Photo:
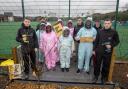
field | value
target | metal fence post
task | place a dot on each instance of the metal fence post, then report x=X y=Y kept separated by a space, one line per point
x=23 y=10
x=69 y=8
x=116 y=14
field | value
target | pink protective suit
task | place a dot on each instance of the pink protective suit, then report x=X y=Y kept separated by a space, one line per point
x=48 y=44
x=71 y=31
x=70 y=26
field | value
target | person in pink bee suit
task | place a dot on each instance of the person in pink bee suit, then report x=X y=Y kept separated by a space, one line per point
x=48 y=45
x=71 y=27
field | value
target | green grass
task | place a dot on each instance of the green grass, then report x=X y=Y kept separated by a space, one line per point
x=7 y=36
x=122 y=48
x=8 y=32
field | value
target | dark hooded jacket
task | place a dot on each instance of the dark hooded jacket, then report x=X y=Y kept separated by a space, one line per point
x=31 y=35
x=106 y=36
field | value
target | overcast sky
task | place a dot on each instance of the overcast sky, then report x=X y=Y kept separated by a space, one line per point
x=59 y=7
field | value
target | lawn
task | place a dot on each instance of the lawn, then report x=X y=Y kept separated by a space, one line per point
x=8 y=32
x=122 y=49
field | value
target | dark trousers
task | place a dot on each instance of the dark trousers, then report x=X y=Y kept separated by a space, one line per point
x=103 y=59
x=76 y=50
x=93 y=59
x=29 y=57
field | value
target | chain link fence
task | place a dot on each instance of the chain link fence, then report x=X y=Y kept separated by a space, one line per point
x=13 y=11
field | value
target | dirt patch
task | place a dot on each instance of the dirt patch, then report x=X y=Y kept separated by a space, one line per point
x=3 y=81
x=35 y=85
x=120 y=73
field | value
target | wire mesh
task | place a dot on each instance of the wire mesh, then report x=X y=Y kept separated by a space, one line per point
x=55 y=8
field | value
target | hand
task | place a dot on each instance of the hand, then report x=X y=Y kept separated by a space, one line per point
x=24 y=35
x=94 y=53
x=36 y=49
x=24 y=38
x=77 y=38
x=108 y=46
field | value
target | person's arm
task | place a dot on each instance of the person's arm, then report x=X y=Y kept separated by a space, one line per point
x=41 y=43
x=73 y=45
x=96 y=42
x=19 y=36
x=38 y=27
x=38 y=34
x=115 y=40
x=74 y=33
x=77 y=38
x=59 y=43
x=36 y=45
x=94 y=34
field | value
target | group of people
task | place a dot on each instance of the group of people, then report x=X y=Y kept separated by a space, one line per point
x=90 y=43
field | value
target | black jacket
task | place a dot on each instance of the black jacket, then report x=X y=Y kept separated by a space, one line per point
x=76 y=30
x=32 y=38
x=108 y=36
x=97 y=30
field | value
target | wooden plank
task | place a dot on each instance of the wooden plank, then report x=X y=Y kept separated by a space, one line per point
x=14 y=54
x=121 y=62
x=112 y=66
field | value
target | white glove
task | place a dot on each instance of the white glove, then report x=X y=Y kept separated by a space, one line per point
x=77 y=38
x=36 y=49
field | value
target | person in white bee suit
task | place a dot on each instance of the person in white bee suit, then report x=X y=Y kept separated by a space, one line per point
x=39 y=53
x=65 y=49
x=86 y=35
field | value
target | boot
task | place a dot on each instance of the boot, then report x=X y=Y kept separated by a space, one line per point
x=103 y=80
x=78 y=71
x=67 y=69
x=62 y=69
x=95 y=79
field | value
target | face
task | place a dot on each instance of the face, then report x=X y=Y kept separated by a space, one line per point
x=61 y=23
x=88 y=24
x=70 y=24
x=48 y=29
x=79 y=21
x=26 y=23
x=66 y=33
x=107 y=24
x=97 y=24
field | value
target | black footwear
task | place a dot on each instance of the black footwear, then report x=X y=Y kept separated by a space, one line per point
x=78 y=71
x=58 y=63
x=54 y=69
x=88 y=72
x=103 y=80
x=41 y=63
x=67 y=69
x=95 y=79
x=26 y=77
x=62 y=69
